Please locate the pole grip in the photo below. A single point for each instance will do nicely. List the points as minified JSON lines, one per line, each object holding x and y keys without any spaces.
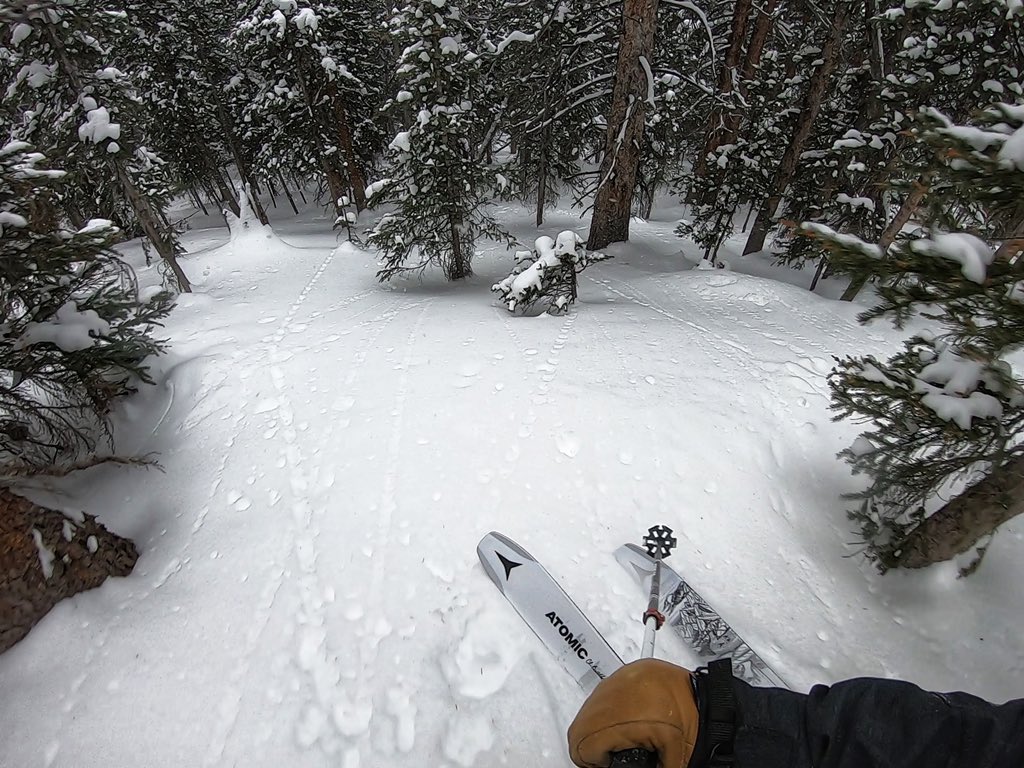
{"x":634,"y":758}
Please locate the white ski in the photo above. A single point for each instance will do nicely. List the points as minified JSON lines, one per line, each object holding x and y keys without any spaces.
{"x":548,"y":611}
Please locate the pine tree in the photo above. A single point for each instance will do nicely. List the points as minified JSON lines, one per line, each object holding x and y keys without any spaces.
{"x":859,"y":172}
{"x":310,"y":67}
{"x":685,"y":37}
{"x":954,"y":57}
{"x":74,"y":335}
{"x":436,"y":178}
{"x":179,"y":56}
{"x":751,"y":117}
{"x":75,"y":103}
{"x":949,"y":408}
{"x":817,"y":87}
{"x":552,"y":72}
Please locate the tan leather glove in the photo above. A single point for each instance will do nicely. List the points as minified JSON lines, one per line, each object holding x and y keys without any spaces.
{"x":648,"y":704}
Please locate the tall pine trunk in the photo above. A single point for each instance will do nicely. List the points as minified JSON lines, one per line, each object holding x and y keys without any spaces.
{"x":162,"y":239}
{"x":542,"y":178}
{"x":965,"y":520}
{"x":812,"y":101}
{"x":356,"y":177}
{"x":227,"y":195}
{"x":287,"y":192}
{"x":334,"y":179}
{"x":461,"y":264}
{"x":243,"y":167}
{"x":758,"y":38}
{"x":721,"y":128}
{"x":617,"y":179}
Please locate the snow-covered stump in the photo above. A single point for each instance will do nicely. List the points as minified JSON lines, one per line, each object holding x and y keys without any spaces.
{"x":548,"y":273}
{"x":46,"y":556}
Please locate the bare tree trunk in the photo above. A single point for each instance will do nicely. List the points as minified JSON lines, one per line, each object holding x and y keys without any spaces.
{"x":460,"y":265}
{"x":888,"y":237}
{"x":876,"y":60}
{"x":808,"y":114}
{"x":198,"y":201}
{"x":822,"y":263}
{"x":542,"y":184}
{"x":299,"y":183}
{"x":617,"y":179}
{"x":272,"y":191}
{"x":227,"y":194}
{"x":965,"y":520}
{"x":746,"y":219}
{"x":544,"y":143}
{"x":356,"y":177}
{"x":212,"y":197}
{"x":163,"y":241}
{"x":719,"y":130}
{"x":287,"y":193}
{"x":758,"y":38}
{"x":243,"y":167}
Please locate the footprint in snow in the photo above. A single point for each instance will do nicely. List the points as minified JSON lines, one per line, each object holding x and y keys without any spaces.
{"x":484,"y":657}
{"x":568,"y":444}
{"x":468,"y":737}
{"x":266,"y":406}
{"x":238,"y":500}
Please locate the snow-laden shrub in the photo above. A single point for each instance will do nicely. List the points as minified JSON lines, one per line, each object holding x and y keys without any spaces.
{"x":548,"y":273}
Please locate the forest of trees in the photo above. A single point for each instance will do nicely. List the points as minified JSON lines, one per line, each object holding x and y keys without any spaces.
{"x":841,"y":134}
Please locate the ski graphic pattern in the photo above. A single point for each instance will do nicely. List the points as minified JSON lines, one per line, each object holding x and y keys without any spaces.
{"x":548,"y":610}
{"x":697,"y":622}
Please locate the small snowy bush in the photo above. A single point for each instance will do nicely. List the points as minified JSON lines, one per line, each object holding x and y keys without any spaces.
{"x":547,"y":273}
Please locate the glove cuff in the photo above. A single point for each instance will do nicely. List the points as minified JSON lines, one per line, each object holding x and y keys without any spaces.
{"x":716,"y":704}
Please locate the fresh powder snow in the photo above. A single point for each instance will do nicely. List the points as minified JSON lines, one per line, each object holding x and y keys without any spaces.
{"x":331,"y":450}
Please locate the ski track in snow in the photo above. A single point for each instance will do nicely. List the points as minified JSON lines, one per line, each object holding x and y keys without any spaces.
{"x":298,"y":541}
{"x":312,"y":596}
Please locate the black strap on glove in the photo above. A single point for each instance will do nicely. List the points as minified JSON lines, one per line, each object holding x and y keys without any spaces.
{"x":716,"y":702}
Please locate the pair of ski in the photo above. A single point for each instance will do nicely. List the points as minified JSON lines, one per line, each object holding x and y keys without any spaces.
{"x":574,"y":641}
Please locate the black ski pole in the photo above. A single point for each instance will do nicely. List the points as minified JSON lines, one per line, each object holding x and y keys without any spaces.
{"x":659,"y":543}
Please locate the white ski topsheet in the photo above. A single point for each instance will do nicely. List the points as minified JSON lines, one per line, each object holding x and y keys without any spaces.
{"x":548,"y":610}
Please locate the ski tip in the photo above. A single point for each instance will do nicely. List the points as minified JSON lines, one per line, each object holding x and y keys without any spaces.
{"x":499,"y":542}
{"x":499,"y":556}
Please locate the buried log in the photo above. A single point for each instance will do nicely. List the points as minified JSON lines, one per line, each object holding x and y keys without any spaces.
{"x":46,"y":556}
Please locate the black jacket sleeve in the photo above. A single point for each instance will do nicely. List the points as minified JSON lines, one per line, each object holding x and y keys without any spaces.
{"x":867,"y":723}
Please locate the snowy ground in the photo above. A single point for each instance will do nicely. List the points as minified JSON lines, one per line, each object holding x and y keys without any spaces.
{"x":308,"y":592}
